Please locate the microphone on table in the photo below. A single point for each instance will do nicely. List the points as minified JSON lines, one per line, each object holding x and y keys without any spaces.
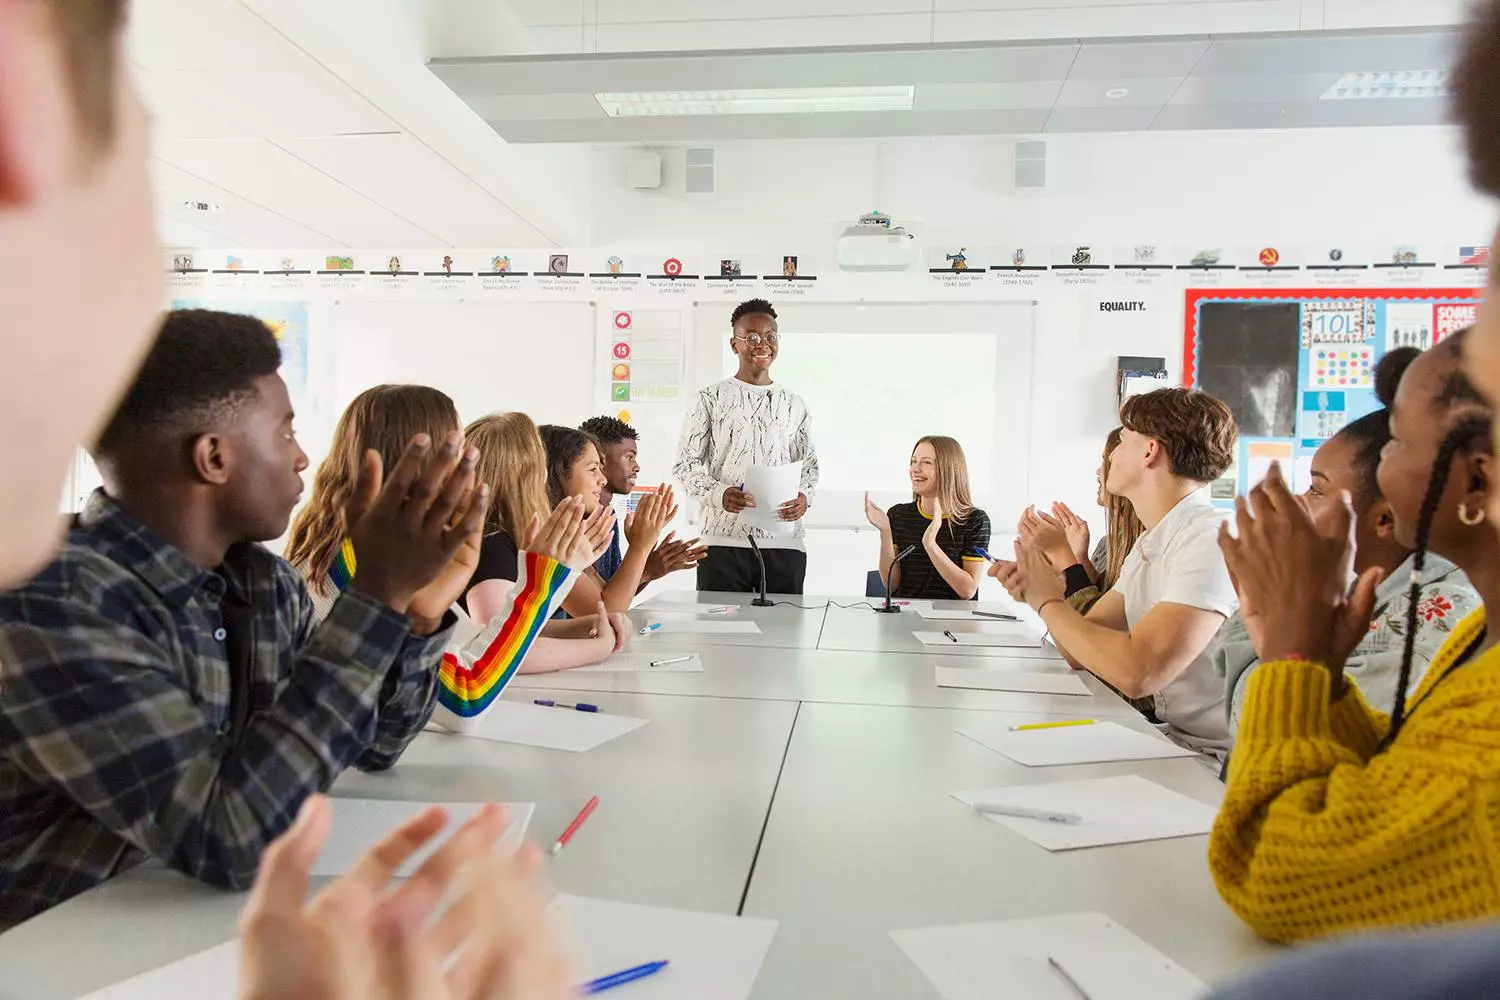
{"x":890,"y":608}
{"x":762,"y":601}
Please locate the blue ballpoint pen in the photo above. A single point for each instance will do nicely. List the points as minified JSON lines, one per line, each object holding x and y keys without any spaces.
{"x":580,"y":707}
{"x":621,"y":978}
{"x":650,"y":628}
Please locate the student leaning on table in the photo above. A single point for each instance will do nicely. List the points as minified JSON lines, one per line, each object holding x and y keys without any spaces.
{"x":74,"y":168}
{"x":1336,"y":817}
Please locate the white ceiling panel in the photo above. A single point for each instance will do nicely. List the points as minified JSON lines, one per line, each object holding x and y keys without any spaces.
{"x":242,"y":222}
{"x":1141,"y":92}
{"x":680,"y":129}
{"x":537,"y":106}
{"x":1122,"y":119}
{"x":262,"y":172}
{"x":172,"y":233}
{"x":1173,"y":18}
{"x":1392,"y":13}
{"x":1131,"y":59}
{"x":1253,"y":89}
{"x":406,"y":177}
{"x":1313,"y":54}
{"x":300,"y":100}
{"x":1306,"y":114}
{"x":619,"y":11}
{"x":185,"y":113}
{"x":167,"y":35}
{"x":758,"y":33}
{"x":980,"y":96}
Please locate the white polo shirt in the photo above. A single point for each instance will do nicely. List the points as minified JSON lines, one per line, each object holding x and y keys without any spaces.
{"x":1179,"y":562}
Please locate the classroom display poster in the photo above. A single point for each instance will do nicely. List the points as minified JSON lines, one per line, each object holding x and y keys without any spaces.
{"x":1297,"y":365}
{"x":288,"y":322}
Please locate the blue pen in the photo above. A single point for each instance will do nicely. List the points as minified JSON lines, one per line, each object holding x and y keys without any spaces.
{"x":650,"y":628}
{"x":580,"y":707}
{"x":621,"y":978}
{"x":983,"y":554}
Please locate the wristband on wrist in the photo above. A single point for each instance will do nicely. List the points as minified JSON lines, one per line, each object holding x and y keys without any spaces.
{"x":1050,"y":600}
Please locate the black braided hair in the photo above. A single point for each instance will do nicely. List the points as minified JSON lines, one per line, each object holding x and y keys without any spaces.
{"x":1464,"y":433}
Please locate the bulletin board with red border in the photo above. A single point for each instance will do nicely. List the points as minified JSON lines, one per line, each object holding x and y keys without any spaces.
{"x":1297,"y":364}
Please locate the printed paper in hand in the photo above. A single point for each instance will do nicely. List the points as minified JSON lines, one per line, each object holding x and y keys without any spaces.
{"x":360,"y":824}
{"x":1119,"y":810}
{"x":688,"y":663}
{"x":772,"y":486}
{"x":712,"y":955}
{"x":1002,"y":960}
{"x":208,"y":975}
{"x":1018,"y":636}
{"x":1096,"y":744}
{"x":1011,"y":680}
{"x":552,"y":728}
{"x":703,"y":627}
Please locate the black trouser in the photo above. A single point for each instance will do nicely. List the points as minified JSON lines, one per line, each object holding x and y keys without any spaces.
{"x":734,"y":570}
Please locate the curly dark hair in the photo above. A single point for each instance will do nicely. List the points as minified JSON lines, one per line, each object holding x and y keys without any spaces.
{"x":609,"y":430}
{"x":1389,"y":369}
{"x":751,"y":307}
{"x":1197,"y":430}
{"x":203,"y":365}
{"x":563,"y":445}
{"x":1476,"y":90}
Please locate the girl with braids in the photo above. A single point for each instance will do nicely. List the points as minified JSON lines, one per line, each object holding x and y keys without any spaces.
{"x":1337,"y":817}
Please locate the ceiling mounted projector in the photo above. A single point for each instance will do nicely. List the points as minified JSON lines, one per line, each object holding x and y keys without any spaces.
{"x":874,"y":244}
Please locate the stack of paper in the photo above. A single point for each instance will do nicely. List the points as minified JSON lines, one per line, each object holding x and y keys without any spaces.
{"x":1095,"y":743}
{"x":552,"y":728}
{"x":646,"y":663}
{"x":1011,"y":680}
{"x":1120,"y":810}
{"x":1043,"y":959}
{"x":711,"y":955}
{"x":360,"y":824}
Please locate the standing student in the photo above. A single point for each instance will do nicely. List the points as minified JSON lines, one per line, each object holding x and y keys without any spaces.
{"x":618,"y":444}
{"x":511,"y":455}
{"x":73,"y":152}
{"x":165,"y":644}
{"x":575,"y":467}
{"x":736,"y":424}
{"x":1149,"y":637}
{"x":946,"y":532}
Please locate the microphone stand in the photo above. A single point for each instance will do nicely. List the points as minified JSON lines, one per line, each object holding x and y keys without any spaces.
{"x":891,"y":609}
{"x":761,"y":601}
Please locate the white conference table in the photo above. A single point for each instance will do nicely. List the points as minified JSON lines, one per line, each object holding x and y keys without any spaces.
{"x":864,"y":838}
{"x":781,"y":627}
{"x":844,"y":757}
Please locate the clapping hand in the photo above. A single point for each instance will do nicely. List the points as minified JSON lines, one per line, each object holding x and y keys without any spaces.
{"x":1293,"y":571}
{"x":930,"y":536}
{"x":876,"y":515}
{"x":1040,"y":584}
{"x":1076,"y":529}
{"x":655,"y":511}
{"x":670,"y":555}
{"x":599,"y":528}
{"x":1046,"y":534}
{"x":563,"y":537}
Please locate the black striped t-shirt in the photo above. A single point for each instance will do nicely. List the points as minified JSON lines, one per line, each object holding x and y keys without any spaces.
{"x":920,"y":579}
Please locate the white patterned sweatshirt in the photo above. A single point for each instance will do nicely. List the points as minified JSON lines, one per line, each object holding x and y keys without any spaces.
{"x":732,"y":426}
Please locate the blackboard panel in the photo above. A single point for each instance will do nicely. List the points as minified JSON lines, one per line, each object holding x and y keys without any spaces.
{"x":1247,"y":356}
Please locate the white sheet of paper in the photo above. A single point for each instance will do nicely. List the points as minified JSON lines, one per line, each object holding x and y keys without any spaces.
{"x":1018,"y":636}
{"x":712,"y":955}
{"x":772,"y":486}
{"x":1007,"y":959}
{"x":552,"y":728}
{"x":687,"y":607}
{"x":698,"y":626}
{"x":689,"y":663}
{"x":208,"y":975}
{"x":360,"y":824}
{"x":1010,"y":680}
{"x":934,"y":615}
{"x":1119,"y":810}
{"x":1096,"y":744}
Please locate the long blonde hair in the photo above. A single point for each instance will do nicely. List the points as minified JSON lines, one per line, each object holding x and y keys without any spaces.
{"x":514,"y":463}
{"x":953,"y":477}
{"x":384,"y":418}
{"x":1121,"y":525}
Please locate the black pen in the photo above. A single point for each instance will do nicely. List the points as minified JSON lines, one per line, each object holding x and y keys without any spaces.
{"x":996,"y":615}
{"x":950,"y":635}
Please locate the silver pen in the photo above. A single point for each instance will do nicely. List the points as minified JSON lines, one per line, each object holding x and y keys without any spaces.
{"x":1057,"y":967}
{"x":675,"y":659}
{"x":1021,"y":812}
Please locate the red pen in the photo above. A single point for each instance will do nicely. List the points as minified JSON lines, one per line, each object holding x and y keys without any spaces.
{"x":567,"y":834}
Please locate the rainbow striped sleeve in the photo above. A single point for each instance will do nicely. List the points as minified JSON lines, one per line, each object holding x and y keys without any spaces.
{"x":472,"y":677}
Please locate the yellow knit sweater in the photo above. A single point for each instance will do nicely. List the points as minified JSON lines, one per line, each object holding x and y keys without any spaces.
{"x":1320,"y":835}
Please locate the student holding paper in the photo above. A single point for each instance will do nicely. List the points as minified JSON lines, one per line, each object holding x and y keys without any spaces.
{"x":946,"y":530}
{"x":734,"y":426}
{"x":1150,"y":636}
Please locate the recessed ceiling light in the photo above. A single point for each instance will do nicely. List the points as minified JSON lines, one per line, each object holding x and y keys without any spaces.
{"x":202,"y":206}
{"x":1115,"y":93}
{"x":784,"y":101}
{"x":1389,"y":85}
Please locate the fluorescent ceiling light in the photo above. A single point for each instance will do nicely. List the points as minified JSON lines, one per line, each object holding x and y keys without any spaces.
{"x":1389,"y":85}
{"x":786,"y":101}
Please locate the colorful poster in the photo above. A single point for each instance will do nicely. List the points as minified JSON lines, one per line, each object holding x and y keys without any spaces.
{"x":288,"y":322}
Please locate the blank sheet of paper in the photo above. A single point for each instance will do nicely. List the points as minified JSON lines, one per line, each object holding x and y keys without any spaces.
{"x":772,"y":486}
{"x":1010,"y":635}
{"x":1093,"y":744}
{"x":645,"y":663}
{"x":552,"y":728}
{"x":360,"y":824}
{"x":208,"y":975}
{"x":935,"y":615}
{"x":1007,"y":960}
{"x":1010,"y":680}
{"x":697,"y":626}
{"x":686,"y":607}
{"x":712,"y":955}
{"x":1119,"y":810}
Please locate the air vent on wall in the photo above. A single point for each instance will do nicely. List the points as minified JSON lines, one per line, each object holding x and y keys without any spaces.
{"x":699,"y":177}
{"x":1031,"y":165}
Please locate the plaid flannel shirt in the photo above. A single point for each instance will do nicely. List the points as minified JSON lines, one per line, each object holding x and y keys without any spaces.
{"x":116,"y":739}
